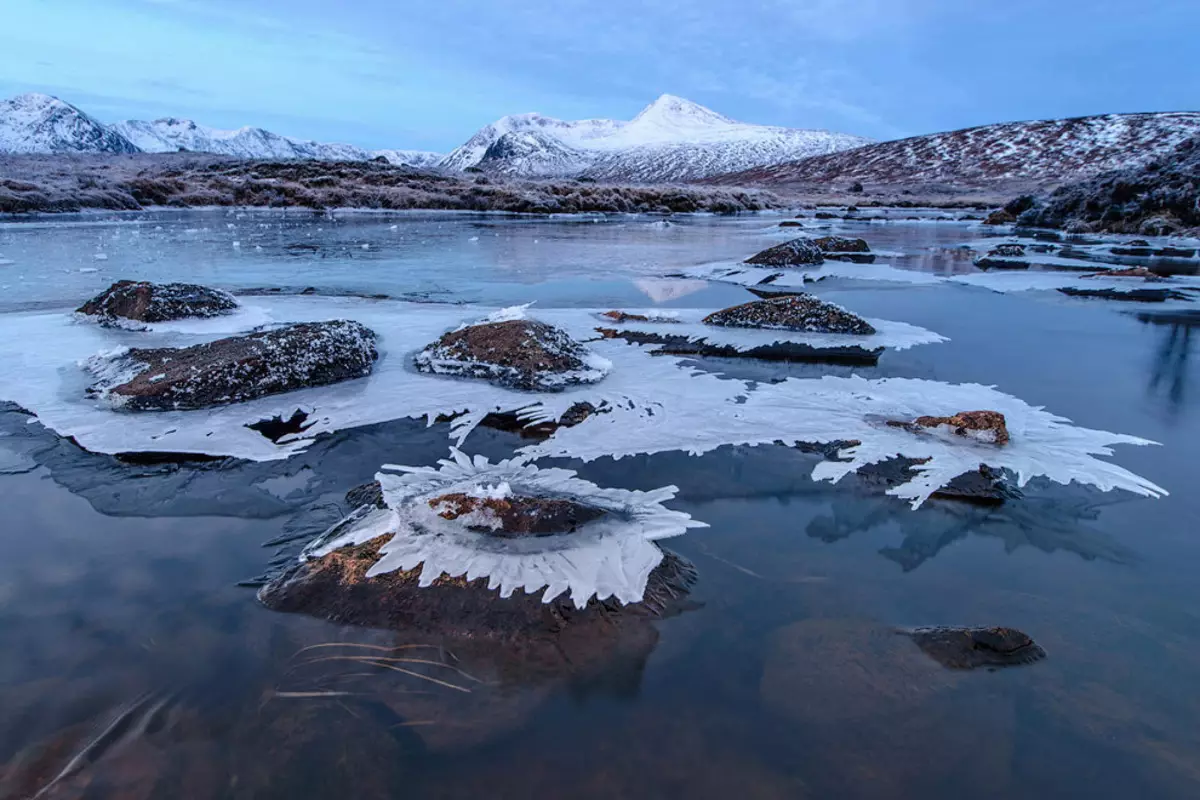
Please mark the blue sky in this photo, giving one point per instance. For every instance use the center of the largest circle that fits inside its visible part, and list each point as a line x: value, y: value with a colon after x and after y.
x: 428, y: 73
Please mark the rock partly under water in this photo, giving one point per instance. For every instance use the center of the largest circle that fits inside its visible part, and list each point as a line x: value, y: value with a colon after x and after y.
x: 796, y: 253
x: 142, y: 301
x: 841, y: 248
x: 983, y: 426
x: 797, y: 312
x: 516, y: 516
x: 517, y: 354
x: 971, y: 648
x: 235, y: 369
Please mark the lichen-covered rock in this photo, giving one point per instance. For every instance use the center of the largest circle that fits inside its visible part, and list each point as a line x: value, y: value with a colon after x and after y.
x: 142, y: 301
x: 235, y: 369
x: 971, y: 648
x: 799, y: 312
x: 983, y: 426
x: 515, y: 353
x: 516, y: 516
x: 796, y: 253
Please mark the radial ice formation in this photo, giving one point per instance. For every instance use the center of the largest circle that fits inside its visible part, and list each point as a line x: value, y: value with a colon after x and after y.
x: 609, y: 557
x: 856, y: 409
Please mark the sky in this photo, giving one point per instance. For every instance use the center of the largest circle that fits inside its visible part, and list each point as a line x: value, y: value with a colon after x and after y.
x: 426, y: 74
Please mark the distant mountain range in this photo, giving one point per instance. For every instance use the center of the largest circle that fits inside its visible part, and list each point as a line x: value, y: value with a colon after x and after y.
x: 1047, y: 151
x: 671, y: 139
x: 38, y: 123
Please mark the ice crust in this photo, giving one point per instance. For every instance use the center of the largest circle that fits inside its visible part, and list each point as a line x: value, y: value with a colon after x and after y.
x: 651, y: 403
x: 611, y: 557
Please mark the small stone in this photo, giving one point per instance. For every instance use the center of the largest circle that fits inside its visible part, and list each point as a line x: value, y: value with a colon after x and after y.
x: 971, y: 648
x: 1008, y: 251
x: 983, y: 426
x: 799, y: 312
x: 621, y: 316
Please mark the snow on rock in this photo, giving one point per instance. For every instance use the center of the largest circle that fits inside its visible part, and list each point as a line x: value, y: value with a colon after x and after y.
x: 672, y: 139
x: 798, y: 312
x: 797, y: 252
x: 38, y: 123
x: 610, y: 556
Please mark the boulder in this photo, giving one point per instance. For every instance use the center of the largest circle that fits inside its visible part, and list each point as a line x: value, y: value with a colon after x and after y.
x: 825, y: 215
x: 983, y: 426
x: 796, y: 253
x: 235, y: 369
x: 514, y: 517
x: 991, y: 262
x: 1008, y: 251
x: 798, y: 312
x: 971, y: 648
x: 841, y: 248
x: 999, y: 217
x: 142, y: 301
x: 791, y: 223
x: 516, y: 354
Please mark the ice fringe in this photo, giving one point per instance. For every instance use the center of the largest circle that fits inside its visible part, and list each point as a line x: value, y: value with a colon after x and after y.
x: 610, y: 557
x: 834, y: 409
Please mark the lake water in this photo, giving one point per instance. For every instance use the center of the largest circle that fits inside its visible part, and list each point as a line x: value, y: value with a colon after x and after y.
x: 119, y: 583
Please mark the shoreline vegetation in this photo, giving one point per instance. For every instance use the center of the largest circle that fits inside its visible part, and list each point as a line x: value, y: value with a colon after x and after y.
x: 31, y: 184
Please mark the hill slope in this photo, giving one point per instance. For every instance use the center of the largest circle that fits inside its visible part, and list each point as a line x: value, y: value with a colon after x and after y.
x: 1047, y: 151
x: 38, y: 123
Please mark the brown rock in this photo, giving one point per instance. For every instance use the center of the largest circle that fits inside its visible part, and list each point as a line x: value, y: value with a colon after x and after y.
x: 143, y: 301
x: 1000, y: 217
x: 799, y: 312
x: 513, y: 517
x: 986, y: 426
x: 798, y: 252
x: 970, y: 648
x: 621, y: 316
x: 518, y: 354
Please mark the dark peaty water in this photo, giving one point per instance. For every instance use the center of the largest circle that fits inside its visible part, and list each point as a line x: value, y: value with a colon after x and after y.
x: 126, y: 637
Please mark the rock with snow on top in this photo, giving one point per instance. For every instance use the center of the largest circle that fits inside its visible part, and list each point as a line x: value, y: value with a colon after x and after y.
x: 142, y: 301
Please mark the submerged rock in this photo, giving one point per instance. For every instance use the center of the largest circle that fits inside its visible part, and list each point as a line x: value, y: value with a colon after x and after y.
x: 1130, y: 295
x: 336, y: 587
x: 984, y: 486
x: 983, y: 426
x: 142, y: 301
x: 971, y: 648
x: 516, y: 516
x: 516, y: 353
x: 798, y: 312
x: 841, y: 248
x: 235, y: 369
x: 797, y: 252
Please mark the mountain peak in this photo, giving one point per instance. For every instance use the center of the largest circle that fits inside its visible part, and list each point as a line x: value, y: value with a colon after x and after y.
x: 671, y: 110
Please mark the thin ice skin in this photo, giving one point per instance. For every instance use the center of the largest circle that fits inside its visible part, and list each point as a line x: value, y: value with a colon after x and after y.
x: 611, y: 557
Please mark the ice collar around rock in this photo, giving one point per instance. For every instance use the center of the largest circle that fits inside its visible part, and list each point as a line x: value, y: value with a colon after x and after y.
x: 142, y: 301
x: 798, y: 312
x: 513, y: 351
x: 234, y: 369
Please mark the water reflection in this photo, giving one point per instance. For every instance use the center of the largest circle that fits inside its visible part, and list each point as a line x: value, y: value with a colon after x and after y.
x: 1172, y: 357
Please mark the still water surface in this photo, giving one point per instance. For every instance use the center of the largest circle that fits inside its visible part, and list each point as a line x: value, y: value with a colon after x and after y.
x: 119, y: 583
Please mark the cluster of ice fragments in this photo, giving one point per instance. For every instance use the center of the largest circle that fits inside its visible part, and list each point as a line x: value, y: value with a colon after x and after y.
x: 609, y: 557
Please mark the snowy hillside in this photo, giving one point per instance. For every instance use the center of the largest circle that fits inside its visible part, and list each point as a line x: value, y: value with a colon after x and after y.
x: 38, y: 123
x: 1045, y: 151
x: 671, y: 139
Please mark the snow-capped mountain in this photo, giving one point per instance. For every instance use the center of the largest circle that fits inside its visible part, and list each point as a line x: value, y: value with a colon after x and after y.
x: 671, y: 139
x: 169, y: 135
x: 1046, y: 151
x: 38, y: 123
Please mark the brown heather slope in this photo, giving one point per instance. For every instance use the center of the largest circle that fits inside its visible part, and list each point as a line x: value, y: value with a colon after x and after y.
x: 1040, y: 153
x: 65, y: 183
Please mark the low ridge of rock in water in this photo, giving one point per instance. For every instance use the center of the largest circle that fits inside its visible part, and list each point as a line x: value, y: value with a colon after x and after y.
x: 796, y: 253
x: 799, y: 312
x: 517, y: 353
x: 971, y: 648
x: 236, y: 369
x: 841, y: 248
x: 142, y: 301
x: 516, y: 516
